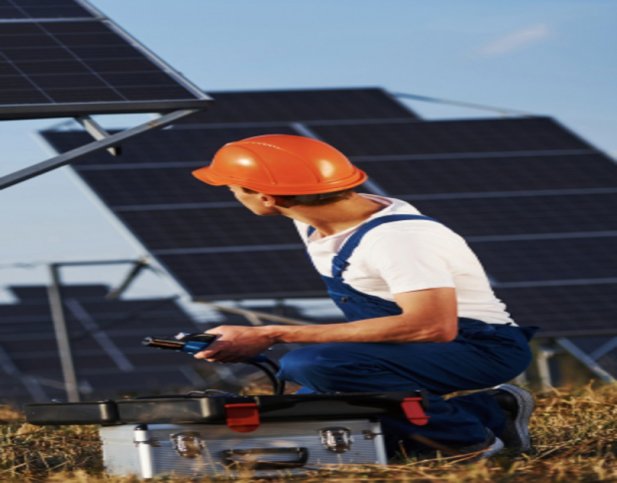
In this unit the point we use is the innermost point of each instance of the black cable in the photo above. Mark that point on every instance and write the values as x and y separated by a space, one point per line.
278 386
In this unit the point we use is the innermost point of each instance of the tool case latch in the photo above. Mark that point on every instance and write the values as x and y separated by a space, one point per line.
414 412
242 417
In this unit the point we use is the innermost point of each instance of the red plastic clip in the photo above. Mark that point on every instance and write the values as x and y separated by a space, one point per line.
414 412
242 417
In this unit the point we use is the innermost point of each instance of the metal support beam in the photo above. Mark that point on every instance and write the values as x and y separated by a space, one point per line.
583 358
254 316
62 336
135 271
504 111
110 141
98 132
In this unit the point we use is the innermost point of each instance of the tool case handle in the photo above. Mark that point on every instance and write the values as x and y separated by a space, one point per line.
250 457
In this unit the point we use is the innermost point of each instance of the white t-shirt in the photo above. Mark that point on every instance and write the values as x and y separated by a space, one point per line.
408 255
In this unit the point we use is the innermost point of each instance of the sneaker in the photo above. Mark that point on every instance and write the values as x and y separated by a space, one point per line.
494 447
490 447
518 404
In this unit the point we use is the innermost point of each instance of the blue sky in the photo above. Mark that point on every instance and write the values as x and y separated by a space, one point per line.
546 57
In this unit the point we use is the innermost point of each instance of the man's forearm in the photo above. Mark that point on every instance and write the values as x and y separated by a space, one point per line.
395 328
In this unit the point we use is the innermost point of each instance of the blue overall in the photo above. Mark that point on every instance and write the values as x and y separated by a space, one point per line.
483 355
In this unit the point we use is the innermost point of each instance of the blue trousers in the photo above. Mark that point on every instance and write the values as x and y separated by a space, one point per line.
482 356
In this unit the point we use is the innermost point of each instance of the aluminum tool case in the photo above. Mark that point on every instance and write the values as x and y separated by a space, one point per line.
228 436
273 449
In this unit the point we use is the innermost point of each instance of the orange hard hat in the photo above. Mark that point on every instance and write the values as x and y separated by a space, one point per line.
282 164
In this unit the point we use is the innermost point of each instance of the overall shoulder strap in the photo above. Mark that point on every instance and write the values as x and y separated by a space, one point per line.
340 263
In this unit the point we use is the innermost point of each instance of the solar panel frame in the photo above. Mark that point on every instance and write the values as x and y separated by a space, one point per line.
61 96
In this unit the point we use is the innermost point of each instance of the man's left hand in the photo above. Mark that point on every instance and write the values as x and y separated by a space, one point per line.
235 343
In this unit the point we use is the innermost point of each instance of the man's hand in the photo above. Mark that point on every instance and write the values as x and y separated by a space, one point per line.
235 343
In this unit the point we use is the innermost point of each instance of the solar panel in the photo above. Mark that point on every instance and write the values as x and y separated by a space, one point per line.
63 58
449 137
43 9
275 272
478 218
508 174
181 148
33 292
564 310
208 227
105 340
557 258
301 106
533 199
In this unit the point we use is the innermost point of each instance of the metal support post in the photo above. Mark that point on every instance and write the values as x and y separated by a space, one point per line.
137 268
98 132
62 336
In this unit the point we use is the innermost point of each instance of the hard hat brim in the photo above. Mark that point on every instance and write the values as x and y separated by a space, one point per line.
207 176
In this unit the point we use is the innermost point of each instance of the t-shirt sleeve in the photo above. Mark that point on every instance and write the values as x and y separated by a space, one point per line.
409 261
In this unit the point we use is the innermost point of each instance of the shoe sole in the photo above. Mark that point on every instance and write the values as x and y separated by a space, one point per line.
493 449
526 405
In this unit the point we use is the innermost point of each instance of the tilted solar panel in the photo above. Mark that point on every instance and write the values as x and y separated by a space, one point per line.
580 257
565 310
35 292
449 137
509 174
53 66
105 338
301 106
533 199
43 9
478 217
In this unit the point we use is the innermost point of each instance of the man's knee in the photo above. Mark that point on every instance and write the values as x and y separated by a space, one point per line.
303 361
319 364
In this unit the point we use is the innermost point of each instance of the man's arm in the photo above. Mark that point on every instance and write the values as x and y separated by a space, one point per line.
427 316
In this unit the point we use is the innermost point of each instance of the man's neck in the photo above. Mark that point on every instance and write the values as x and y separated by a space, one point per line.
335 217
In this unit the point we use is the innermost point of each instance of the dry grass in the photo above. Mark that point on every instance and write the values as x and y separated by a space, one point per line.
575 434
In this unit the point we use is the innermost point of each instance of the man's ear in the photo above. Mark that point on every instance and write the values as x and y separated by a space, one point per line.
268 201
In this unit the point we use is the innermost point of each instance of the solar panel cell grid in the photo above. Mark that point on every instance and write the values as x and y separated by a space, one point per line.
39 9
62 68
542 260
410 177
29 365
509 135
157 186
526 215
220 227
166 146
105 338
33 292
219 276
17 346
298 105
564 309
81 42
